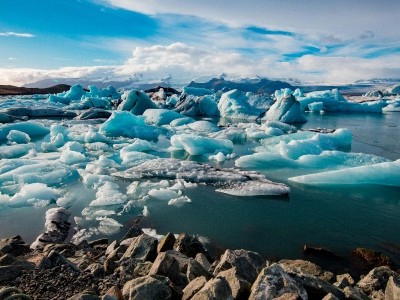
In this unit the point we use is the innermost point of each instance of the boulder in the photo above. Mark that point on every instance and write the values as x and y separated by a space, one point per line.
330 296
248 264
202 259
132 232
354 293
392 291
344 280
167 243
299 266
113 293
317 288
377 279
166 265
98 242
8 273
143 268
146 288
373 258
96 269
143 247
189 245
15 246
217 288
84 296
273 282
195 269
193 287
56 259
240 287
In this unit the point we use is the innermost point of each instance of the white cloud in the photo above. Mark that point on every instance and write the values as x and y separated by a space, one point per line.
17 34
183 63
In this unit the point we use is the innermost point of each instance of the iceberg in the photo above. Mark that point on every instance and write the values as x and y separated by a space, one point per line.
124 123
223 179
196 91
70 157
108 194
75 93
33 129
136 102
161 116
385 173
18 137
198 106
236 104
285 109
199 145
13 151
34 194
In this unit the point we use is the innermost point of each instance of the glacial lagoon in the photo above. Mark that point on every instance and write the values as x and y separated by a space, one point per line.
339 218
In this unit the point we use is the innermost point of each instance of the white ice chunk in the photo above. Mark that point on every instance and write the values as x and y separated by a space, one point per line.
153 233
134 158
74 146
199 145
220 157
33 193
13 151
108 194
139 190
109 226
70 157
137 145
18 137
165 194
161 116
179 201
236 104
145 211
386 173
93 136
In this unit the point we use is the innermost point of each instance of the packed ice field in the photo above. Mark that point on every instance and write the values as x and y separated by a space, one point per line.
115 152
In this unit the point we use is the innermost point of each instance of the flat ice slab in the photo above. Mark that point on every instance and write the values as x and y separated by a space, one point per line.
230 181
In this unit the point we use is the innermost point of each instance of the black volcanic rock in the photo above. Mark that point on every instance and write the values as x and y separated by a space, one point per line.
6 90
262 86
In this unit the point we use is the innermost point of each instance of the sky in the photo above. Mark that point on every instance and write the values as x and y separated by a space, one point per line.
321 41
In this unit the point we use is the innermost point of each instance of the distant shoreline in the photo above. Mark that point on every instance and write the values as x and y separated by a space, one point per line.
10 90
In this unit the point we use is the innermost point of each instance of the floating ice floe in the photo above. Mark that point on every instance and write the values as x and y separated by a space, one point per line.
18 137
136 102
223 179
70 157
14 151
161 116
199 145
108 194
385 173
123 123
394 106
33 129
285 109
37 194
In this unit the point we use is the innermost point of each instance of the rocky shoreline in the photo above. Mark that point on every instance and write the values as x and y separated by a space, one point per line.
176 267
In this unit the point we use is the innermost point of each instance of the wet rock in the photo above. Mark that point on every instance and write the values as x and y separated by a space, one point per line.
112 247
96 270
273 282
144 247
217 288
317 288
15 246
98 242
392 291
377 295
82 261
373 258
113 293
299 266
9 273
239 286
195 269
320 252
202 259
354 293
146 288
189 245
330 297
59 247
193 287
143 269
56 260
377 279
247 263
344 280
132 232
166 265
167 243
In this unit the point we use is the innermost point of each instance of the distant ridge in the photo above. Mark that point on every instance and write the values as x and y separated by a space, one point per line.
10 90
260 86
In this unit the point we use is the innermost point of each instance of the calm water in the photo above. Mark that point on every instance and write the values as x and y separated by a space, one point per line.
337 218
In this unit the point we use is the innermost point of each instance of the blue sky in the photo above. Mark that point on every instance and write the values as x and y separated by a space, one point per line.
320 41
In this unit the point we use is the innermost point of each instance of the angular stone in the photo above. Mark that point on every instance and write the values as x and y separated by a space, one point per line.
330 296
354 293
15 246
344 280
143 269
392 291
376 279
134 231
299 266
7 260
146 288
166 265
96 270
144 247
273 282
98 242
113 293
317 288
373 258
239 286
247 263
81 261
202 259
195 269
189 245
193 287
56 260
111 247
217 288
84 296
167 243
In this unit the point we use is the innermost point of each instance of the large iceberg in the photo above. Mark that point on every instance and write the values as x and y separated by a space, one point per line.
198 106
385 173
75 93
124 123
136 102
285 109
